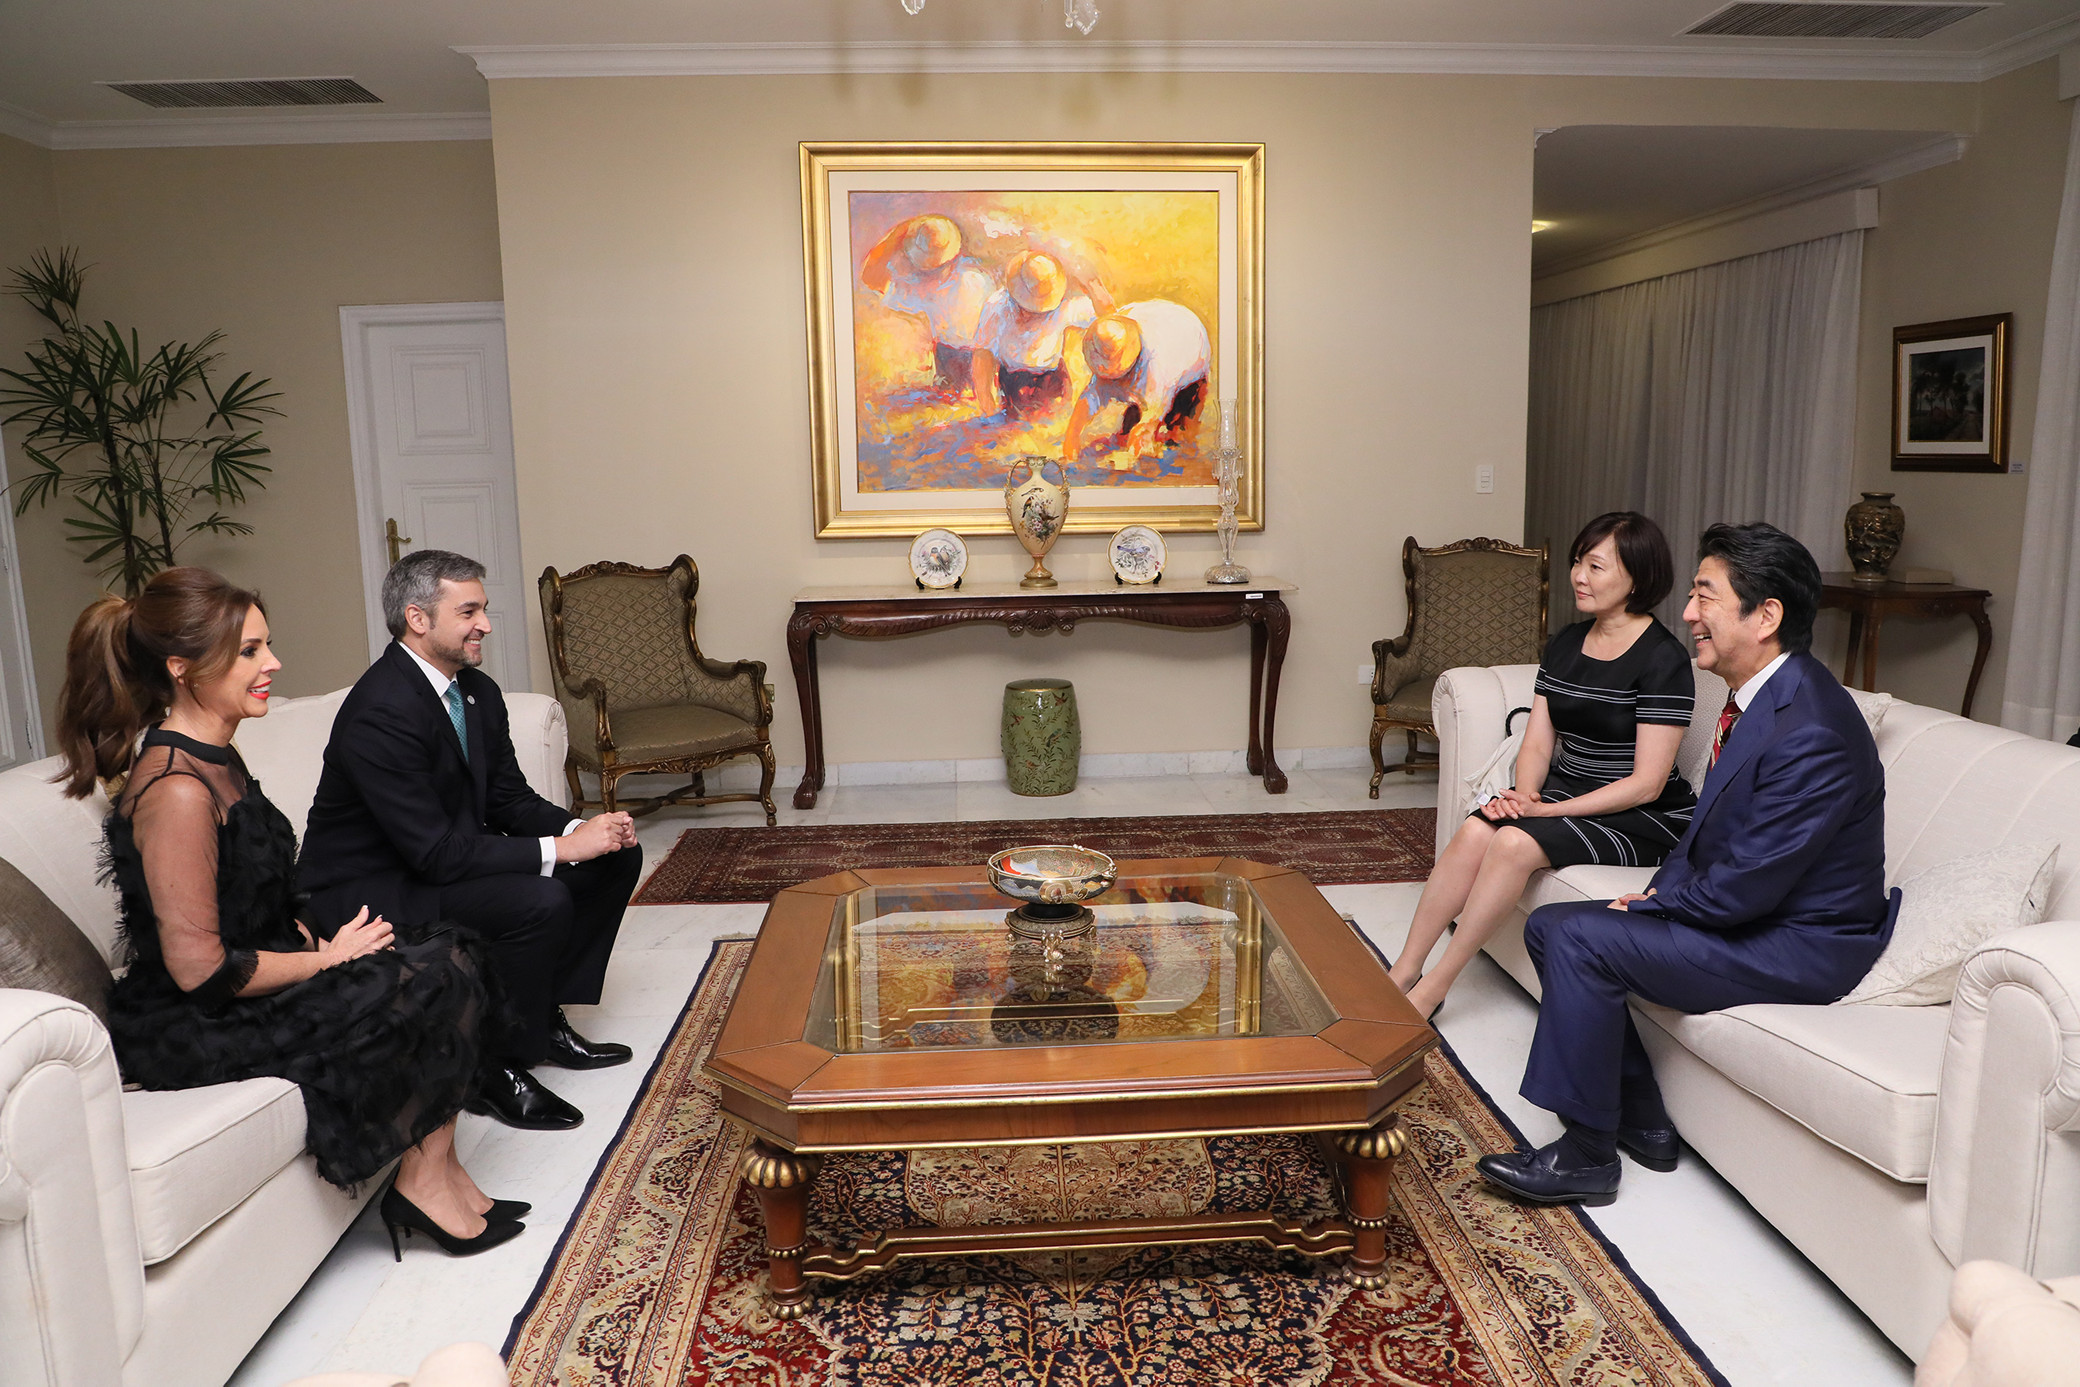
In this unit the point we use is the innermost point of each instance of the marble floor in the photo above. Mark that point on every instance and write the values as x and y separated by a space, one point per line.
1758 1308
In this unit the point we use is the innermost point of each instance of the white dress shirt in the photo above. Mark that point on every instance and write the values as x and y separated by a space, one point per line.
1745 694
441 684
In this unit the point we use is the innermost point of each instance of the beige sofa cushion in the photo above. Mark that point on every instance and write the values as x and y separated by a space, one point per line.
1863 1078
1587 882
196 1153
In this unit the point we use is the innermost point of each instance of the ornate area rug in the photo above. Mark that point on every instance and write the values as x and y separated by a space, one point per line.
716 865
657 1279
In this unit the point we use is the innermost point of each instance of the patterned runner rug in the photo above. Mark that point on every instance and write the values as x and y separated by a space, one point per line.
657 1278
715 865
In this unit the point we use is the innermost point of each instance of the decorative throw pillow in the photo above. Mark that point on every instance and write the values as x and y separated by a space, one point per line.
1950 910
41 949
1872 706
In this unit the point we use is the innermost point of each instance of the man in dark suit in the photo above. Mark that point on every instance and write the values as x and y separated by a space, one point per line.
1776 893
422 815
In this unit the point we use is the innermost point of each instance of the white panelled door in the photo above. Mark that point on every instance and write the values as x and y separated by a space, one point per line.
433 456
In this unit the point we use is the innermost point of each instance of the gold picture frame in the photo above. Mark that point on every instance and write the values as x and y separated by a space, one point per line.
921 260
1950 395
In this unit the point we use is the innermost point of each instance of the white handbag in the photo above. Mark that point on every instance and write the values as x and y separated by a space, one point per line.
1499 772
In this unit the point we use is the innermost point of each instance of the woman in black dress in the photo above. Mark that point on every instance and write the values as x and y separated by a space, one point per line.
222 981
1596 778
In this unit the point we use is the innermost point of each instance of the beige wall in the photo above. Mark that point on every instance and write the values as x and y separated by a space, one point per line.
265 243
28 220
652 244
1959 241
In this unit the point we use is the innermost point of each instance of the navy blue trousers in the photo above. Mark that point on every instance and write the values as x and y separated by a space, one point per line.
1587 1063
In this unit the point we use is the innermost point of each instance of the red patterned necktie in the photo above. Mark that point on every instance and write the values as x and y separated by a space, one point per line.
1728 716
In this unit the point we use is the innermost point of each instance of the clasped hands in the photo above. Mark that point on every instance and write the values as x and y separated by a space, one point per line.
596 837
1515 804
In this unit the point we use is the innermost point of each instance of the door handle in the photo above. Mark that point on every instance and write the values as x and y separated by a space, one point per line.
395 540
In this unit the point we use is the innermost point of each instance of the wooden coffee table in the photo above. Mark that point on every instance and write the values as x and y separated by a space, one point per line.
892 1010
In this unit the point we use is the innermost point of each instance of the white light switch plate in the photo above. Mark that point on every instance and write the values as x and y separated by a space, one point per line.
1484 479
1364 674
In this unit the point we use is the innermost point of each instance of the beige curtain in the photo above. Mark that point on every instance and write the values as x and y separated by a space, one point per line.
1722 393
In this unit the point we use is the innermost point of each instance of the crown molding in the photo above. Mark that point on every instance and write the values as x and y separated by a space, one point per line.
1944 149
1706 59
192 132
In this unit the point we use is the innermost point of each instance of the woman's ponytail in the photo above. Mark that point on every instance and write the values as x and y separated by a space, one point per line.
102 709
116 681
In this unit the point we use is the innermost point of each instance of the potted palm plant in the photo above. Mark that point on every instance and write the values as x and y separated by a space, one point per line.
148 444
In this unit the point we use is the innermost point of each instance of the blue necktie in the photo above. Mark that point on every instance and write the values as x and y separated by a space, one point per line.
455 716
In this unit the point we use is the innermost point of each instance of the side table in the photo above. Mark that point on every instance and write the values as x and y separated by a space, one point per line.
872 613
1868 604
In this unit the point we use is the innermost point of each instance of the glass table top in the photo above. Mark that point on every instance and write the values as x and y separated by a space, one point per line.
1172 957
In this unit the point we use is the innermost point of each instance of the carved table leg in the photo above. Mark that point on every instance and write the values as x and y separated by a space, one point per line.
1971 686
1368 1169
1870 648
801 652
1278 623
781 1180
1254 761
1855 649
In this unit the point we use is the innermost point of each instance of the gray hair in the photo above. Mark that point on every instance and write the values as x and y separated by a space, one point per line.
415 581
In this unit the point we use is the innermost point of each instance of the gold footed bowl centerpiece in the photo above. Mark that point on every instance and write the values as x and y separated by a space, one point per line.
1054 880
1037 508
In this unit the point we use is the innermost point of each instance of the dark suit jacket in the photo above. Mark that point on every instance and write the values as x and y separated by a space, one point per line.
1785 853
400 812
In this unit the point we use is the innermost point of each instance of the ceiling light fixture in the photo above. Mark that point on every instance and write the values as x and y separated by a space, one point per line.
1080 15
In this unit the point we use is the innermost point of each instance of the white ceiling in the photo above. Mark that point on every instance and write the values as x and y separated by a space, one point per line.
1604 184
52 52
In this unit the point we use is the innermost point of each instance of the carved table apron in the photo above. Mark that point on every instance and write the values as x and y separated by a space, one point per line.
893 611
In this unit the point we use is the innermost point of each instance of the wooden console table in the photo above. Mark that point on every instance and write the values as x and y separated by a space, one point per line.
1868 604
898 611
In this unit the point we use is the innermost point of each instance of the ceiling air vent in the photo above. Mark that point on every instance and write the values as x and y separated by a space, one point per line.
275 91
1835 19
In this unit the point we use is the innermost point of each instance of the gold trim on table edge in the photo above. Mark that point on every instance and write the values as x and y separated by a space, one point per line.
1179 1134
1059 1099
818 158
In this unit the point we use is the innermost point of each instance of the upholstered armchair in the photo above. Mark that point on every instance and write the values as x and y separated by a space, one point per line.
640 697
1473 602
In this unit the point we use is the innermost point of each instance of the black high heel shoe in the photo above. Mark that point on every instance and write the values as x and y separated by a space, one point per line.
506 1210
402 1215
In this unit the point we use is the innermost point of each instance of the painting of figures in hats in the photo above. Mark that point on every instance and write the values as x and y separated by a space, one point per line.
981 316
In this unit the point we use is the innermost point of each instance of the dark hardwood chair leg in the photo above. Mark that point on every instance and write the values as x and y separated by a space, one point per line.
1409 766
1379 764
1368 1170
781 1181
570 774
609 797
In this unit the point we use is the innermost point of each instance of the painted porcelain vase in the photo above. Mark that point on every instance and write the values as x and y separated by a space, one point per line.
1873 529
1042 736
1037 508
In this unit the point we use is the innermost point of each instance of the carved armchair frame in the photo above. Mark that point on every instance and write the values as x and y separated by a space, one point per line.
756 743
1398 648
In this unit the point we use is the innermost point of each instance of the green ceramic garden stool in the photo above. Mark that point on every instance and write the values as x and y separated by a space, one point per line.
1042 737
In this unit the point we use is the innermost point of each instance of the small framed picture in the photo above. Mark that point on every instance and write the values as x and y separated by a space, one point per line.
1950 395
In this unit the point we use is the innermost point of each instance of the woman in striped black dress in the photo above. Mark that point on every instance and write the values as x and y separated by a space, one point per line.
1596 778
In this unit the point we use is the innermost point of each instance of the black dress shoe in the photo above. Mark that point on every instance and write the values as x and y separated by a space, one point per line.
1539 1177
569 1050
1653 1147
516 1098
507 1210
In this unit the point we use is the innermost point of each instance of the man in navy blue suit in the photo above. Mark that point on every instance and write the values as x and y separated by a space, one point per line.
1775 894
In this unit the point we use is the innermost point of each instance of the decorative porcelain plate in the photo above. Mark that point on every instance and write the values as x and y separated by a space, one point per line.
1138 554
938 558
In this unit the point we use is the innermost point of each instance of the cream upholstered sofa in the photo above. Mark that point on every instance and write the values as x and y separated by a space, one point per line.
1891 1144
149 1239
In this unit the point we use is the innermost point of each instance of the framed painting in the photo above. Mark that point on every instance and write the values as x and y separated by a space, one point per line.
973 304
1950 395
